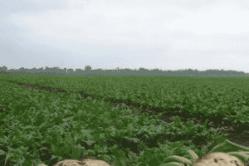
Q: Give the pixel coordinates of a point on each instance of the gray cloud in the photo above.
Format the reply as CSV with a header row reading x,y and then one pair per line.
x,y
168,34
14,6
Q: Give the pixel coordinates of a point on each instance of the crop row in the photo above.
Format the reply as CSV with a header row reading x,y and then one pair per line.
x,y
40,126
220,101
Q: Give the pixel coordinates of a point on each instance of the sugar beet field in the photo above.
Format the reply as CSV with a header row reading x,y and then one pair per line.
x,y
123,120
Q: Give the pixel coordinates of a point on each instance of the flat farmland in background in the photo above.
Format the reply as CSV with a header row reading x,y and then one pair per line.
x,y
123,120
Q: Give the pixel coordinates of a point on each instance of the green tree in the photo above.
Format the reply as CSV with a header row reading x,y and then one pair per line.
x,y
3,69
88,68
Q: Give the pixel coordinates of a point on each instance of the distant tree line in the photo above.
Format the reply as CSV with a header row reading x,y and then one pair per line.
x,y
88,71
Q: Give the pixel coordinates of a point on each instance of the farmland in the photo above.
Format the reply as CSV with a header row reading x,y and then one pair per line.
x,y
123,120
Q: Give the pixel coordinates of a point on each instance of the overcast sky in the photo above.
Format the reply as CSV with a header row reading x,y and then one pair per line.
x,y
166,34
